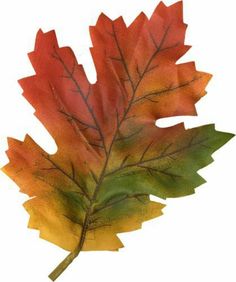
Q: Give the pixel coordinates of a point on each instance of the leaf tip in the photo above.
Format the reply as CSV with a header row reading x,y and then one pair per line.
x,y
102,19
12,141
44,40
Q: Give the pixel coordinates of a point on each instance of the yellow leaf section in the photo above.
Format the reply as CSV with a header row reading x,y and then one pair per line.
x,y
46,215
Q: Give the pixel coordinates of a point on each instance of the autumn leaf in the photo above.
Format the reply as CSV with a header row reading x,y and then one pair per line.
x,y
111,156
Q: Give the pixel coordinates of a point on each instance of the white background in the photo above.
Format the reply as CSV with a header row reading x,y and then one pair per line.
x,y
195,239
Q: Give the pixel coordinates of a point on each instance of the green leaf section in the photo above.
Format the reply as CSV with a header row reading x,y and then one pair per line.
x,y
125,212
172,173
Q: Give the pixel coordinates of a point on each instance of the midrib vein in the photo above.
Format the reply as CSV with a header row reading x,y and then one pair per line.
x,y
69,259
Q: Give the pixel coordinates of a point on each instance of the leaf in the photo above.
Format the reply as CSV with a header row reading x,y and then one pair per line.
x,y
111,156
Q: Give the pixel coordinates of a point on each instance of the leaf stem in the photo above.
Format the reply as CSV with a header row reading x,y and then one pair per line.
x,y
69,259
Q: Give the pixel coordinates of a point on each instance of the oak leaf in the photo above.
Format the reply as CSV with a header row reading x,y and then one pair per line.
x,y
111,156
